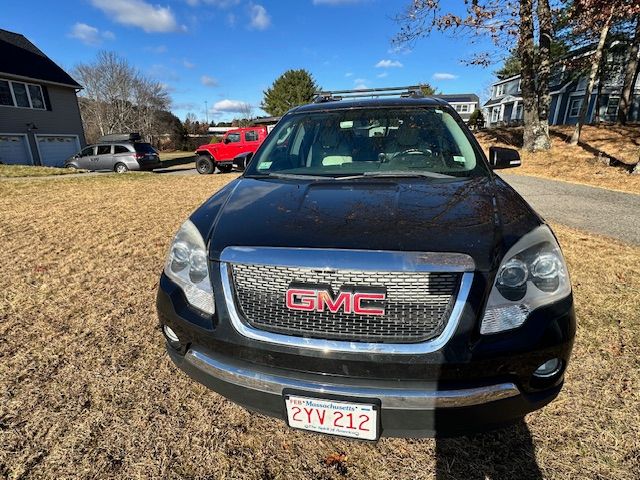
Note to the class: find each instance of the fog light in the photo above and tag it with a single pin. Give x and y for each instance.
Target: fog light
(171, 336)
(548, 368)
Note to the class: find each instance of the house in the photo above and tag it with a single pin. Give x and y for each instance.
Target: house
(40, 121)
(567, 86)
(463, 103)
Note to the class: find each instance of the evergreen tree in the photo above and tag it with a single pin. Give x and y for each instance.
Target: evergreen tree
(292, 88)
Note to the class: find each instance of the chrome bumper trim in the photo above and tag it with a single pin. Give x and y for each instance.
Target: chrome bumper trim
(417, 396)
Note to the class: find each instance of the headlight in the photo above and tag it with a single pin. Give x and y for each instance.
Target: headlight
(187, 265)
(532, 274)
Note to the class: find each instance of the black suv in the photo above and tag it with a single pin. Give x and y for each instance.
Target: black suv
(370, 275)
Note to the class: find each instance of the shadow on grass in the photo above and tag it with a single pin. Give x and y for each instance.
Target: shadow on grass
(596, 152)
(178, 161)
(503, 454)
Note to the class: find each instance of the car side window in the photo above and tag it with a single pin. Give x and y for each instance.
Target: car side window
(233, 138)
(120, 149)
(104, 149)
(87, 151)
(251, 136)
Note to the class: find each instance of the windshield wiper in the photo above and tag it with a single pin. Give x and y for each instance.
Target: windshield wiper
(291, 176)
(396, 174)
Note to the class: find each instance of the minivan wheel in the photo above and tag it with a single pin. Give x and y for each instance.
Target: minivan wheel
(120, 168)
(204, 165)
(225, 168)
(71, 166)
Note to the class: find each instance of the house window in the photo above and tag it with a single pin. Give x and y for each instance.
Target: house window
(612, 106)
(500, 90)
(495, 114)
(574, 107)
(21, 95)
(519, 111)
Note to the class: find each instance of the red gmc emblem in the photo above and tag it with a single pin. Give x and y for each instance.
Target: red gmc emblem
(311, 298)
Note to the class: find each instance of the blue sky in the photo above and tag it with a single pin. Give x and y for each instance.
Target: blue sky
(226, 52)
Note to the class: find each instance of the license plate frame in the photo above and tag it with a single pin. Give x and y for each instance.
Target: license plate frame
(358, 405)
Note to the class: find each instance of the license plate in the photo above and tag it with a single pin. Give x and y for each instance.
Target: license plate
(345, 419)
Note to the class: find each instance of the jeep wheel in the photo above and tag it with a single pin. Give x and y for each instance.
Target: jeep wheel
(225, 168)
(204, 165)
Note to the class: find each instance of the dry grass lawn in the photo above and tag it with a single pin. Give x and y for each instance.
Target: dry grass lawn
(580, 164)
(13, 171)
(86, 390)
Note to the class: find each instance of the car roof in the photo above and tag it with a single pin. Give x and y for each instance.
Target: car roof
(347, 104)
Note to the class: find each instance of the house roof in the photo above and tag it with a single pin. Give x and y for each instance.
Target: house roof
(20, 57)
(459, 98)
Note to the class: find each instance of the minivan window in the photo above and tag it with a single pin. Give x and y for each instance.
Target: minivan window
(104, 149)
(120, 149)
(143, 148)
(409, 141)
(87, 151)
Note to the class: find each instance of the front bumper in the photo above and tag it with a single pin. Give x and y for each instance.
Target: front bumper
(472, 383)
(408, 409)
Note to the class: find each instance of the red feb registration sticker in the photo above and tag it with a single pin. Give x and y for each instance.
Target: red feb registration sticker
(346, 419)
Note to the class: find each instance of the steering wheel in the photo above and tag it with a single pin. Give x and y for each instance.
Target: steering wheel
(428, 154)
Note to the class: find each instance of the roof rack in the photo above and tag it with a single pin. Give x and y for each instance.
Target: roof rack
(414, 91)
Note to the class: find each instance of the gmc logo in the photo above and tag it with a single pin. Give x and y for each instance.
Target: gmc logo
(311, 298)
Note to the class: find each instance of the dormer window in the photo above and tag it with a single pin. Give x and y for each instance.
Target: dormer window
(21, 95)
(500, 90)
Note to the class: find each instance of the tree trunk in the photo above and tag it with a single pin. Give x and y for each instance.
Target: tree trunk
(595, 66)
(630, 77)
(528, 79)
(542, 141)
(596, 101)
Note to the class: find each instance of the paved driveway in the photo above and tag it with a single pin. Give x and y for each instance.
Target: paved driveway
(597, 210)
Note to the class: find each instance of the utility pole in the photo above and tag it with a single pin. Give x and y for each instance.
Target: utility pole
(206, 111)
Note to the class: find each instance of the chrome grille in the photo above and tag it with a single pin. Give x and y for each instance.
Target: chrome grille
(417, 306)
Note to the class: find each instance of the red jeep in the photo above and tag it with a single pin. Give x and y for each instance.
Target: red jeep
(235, 144)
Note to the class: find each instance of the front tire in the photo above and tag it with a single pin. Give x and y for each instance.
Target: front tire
(120, 168)
(205, 165)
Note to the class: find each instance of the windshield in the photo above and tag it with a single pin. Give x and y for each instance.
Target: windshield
(346, 143)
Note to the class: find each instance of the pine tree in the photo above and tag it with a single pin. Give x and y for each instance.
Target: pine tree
(292, 88)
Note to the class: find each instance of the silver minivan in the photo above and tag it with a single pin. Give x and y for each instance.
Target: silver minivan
(119, 157)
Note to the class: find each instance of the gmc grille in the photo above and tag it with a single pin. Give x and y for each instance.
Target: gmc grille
(417, 307)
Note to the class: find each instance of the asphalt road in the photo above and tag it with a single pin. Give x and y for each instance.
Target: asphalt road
(596, 210)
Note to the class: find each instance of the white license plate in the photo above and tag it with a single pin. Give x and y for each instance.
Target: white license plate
(346, 419)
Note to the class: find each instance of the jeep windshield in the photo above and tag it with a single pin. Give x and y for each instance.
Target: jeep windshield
(347, 144)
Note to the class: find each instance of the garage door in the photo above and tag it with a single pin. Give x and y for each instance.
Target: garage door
(14, 150)
(55, 149)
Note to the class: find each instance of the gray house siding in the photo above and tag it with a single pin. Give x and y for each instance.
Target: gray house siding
(63, 118)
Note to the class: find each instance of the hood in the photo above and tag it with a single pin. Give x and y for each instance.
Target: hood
(462, 216)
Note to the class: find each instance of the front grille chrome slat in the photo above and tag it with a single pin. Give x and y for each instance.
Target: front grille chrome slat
(417, 307)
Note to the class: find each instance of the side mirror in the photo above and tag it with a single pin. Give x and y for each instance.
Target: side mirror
(225, 140)
(242, 161)
(500, 157)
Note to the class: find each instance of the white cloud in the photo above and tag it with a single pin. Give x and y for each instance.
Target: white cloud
(259, 18)
(389, 64)
(230, 106)
(138, 13)
(360, 80)
(335, 2)
(208, 81)
(89, 35)
(383, 75)
(187, 63)
(444, 76)
(158, 49)
(361, 86)
(231, 19)
(215, 3)
(348, 74)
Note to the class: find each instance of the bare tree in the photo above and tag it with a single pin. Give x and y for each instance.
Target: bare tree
(505, 23)
(630, 75)
(118, 98)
